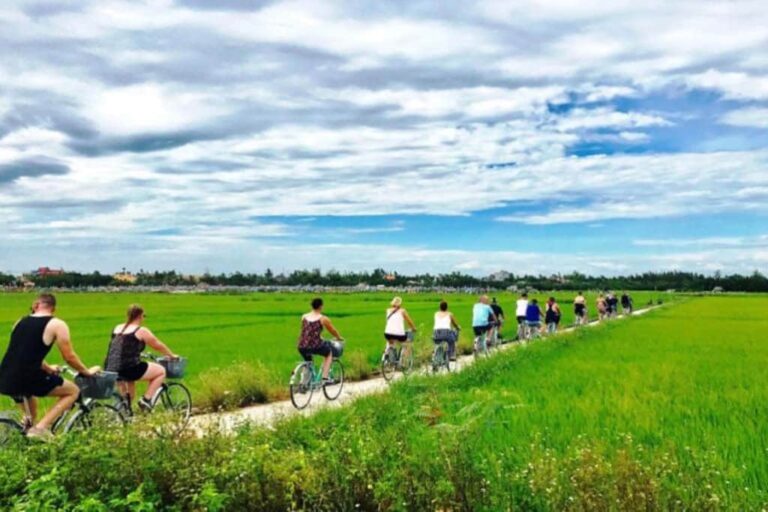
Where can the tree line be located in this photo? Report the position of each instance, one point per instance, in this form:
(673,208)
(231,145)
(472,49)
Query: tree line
(680,281)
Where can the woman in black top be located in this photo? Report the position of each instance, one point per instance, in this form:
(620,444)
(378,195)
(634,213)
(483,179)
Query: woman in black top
(552,315)
(124,356)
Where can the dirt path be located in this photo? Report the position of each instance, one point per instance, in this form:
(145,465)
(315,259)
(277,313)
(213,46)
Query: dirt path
(269,414)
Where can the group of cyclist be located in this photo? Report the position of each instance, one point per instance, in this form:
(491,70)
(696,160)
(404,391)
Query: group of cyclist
(487,316)
(25,375)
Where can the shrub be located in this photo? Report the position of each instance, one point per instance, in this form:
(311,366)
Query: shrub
(238,385)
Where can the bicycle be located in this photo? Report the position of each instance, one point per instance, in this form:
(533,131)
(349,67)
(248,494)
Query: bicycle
(532,332)
(393,359)
(172,399)
(494,337)
(480,345)
(305,379)
(440,357)
(84,414)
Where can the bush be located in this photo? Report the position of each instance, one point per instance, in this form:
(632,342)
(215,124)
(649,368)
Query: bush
(238,385)
(357,366)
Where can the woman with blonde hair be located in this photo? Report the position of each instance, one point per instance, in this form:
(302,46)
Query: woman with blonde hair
(394,330)
(128,341)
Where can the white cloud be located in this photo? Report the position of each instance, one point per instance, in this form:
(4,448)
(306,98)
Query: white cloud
(148,108)
(734,84)
(312,109)
(752,117)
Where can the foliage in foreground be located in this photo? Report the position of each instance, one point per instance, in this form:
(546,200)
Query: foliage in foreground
(653,414)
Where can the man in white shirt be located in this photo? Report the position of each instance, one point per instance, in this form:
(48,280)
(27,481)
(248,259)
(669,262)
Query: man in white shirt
(520,310)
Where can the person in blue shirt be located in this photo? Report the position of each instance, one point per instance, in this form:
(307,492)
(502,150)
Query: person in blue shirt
(482,316)
(533,315)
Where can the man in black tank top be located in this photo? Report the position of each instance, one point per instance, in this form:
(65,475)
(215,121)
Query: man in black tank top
(24,372)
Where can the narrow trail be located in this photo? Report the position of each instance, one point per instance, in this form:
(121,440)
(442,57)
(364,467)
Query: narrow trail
(267,415)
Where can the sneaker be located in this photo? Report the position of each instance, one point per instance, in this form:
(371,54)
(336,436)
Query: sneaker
(41,434)
(144,404)
(328,381)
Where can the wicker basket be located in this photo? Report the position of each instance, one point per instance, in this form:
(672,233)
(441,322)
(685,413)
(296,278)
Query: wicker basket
(101,385)
(174,368)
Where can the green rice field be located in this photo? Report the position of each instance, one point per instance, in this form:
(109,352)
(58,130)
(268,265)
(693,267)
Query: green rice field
(665,411)
(216,331)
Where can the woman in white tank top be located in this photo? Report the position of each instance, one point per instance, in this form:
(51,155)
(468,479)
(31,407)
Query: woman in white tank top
(446,329)
(394,330)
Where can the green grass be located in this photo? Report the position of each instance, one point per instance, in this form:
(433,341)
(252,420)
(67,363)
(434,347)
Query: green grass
(217,331)
(662,412)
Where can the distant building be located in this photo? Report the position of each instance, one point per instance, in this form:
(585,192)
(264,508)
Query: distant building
(501,275)
(717,289)
(125,277)
(47,271)
(390,277)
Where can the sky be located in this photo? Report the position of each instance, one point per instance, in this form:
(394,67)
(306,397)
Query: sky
(532,136)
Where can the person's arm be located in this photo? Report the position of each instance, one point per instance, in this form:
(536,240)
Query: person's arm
(454,322)
(408,319)
(51,369)
(63,341)
(150,339)
(328,325)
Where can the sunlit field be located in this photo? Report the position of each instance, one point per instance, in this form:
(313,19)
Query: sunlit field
(665,411)
(216,331)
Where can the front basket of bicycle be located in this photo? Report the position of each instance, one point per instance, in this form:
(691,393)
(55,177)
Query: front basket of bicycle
(174,367)
(101,385)
(337,349)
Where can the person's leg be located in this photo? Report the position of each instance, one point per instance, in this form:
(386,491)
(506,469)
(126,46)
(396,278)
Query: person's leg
(29,410)
(327,364)
(67,394)
(155,375)
(130,389)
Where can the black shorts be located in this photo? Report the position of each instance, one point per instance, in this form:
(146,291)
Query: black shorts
(133,373)
(520,320)
(481,329)
(396,337)
(40,384)
(321,350)
(579,309)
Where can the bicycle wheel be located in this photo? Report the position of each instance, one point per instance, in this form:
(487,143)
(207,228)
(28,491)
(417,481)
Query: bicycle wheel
(406,361)
(174,403)
(437,358)
(336,374)
(301,385)
(96,415)
(389,363)
(8,430)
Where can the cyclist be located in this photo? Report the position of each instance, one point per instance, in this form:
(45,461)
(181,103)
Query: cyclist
(613,304)
(128,341)
(533,316)
(499,316)
(602,307)
(482,316)
(580,308)
(25,374)
(394,330)
(520,311)
(552,315)
(446,329)
(310,342)
(626,304)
